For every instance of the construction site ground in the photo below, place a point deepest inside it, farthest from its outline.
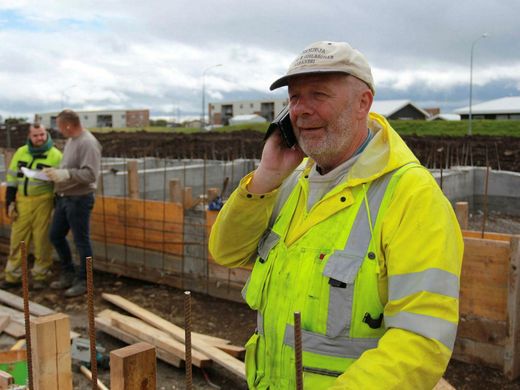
(230, 320)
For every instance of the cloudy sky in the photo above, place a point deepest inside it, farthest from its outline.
(153, 54)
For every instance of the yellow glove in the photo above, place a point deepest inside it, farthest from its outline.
(12, 213)
(57, 175)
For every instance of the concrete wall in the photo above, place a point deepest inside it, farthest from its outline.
(468, 184)
(155, 174)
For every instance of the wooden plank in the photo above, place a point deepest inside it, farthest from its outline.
(20, 344)
(443, 384)
(483, 330)
(232, 364)
(50, 342)
(154, 336)
(152, 318)
(487, 235)
(512, 348)
(17, 302)
(88, 374)
(133, 367)
(105, 325)
(16, 327)
(4, 321)
(484, 278)
(480, 353)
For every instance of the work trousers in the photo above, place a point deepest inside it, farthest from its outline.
(31, 226)
(72, 213)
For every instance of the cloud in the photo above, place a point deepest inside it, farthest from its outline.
(153, 54)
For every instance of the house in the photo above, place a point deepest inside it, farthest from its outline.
(102, 118)
(506, 108)
(220, 113)
(398, 109)
(241, 119)
(445, 117)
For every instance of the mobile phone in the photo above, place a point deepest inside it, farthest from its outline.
(282, 121)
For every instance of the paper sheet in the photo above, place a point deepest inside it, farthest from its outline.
(35, 174)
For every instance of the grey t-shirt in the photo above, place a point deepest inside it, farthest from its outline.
(82, 158)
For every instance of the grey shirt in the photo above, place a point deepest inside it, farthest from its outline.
(82, 158)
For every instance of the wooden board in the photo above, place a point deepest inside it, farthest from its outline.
(232, 364)
(154, 319)
(4, 321)
(483, 330)
(144, 332)
(139, 223)
(51, 357)
(133, 367)
(484, 279)
(512, 348)
(105, 325)
(17, 302)
(480, 353)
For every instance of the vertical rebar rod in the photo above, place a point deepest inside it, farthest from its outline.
(91, 326)
(298, 350)
(484, 217)
(26, 313)
(187, 339)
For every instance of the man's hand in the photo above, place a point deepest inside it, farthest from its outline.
(57, 175)
(12, 213)
(278, 161)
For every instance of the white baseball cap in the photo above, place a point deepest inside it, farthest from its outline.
(329, 57)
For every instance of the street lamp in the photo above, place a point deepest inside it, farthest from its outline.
(484, 35)
(204, 94)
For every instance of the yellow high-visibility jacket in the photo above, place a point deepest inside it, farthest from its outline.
(409, 273)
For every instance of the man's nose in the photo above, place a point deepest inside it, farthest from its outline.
(301, 106)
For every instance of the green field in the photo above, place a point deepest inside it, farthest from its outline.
(420, 128)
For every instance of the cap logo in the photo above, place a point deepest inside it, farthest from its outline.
(310, 56)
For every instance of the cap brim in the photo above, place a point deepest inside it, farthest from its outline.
(282, 81)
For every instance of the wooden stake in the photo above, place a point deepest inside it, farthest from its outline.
(133, 179)
(175, 191)
(462, 213)
(91, 324)
(51, 352)
(26, 313)
(133, 367)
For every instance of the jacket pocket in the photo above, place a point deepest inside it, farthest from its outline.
(341, 270)
(254, 362)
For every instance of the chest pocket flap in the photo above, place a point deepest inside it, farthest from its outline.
(343, 267)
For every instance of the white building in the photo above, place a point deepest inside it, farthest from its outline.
(504, 108)
(102, 118)
(220, 113)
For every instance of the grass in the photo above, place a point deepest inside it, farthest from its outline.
(420, 128)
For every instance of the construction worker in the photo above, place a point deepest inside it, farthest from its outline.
(75, 182)
(29, 204)
(357, 237)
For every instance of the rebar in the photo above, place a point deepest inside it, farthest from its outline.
(91, 325)
(298, 350)
(187, 339)
(484, 217)
(26, 314)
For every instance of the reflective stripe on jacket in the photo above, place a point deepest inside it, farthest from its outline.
(22, 158)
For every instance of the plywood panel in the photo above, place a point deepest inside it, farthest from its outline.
(484, 278)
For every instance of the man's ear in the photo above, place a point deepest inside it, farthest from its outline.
(365, 102)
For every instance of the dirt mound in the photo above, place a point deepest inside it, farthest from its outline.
(500, 153)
